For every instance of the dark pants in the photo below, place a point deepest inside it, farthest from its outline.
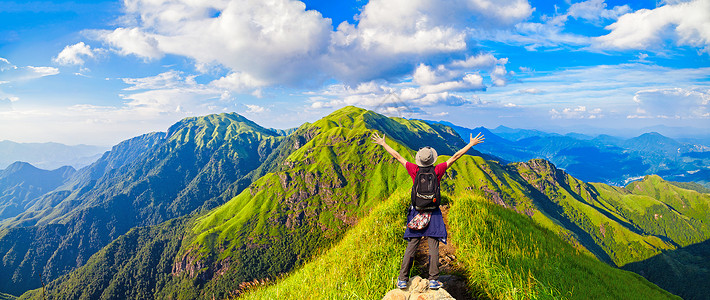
(409, 258)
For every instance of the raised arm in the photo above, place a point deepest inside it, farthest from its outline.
(381, 141)
(473, 142)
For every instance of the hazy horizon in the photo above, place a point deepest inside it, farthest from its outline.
(679, 133)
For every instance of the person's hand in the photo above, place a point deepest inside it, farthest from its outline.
(476, 140)
(377, 139)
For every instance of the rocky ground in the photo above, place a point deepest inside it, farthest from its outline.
(418, 289)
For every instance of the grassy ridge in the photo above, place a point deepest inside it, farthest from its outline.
(508, 256)
(505, 255)
(362, 265)
(324, 187)
(619, 225)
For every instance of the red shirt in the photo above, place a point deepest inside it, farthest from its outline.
(440, 169)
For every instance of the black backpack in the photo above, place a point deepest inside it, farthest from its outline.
(425, 192)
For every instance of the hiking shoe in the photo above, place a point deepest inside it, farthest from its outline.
(401, 284)
(434, 284)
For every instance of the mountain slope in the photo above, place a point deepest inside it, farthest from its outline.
(146, 181)
(622, 222)
(323, 188)
(320, 189)
(503, 254)
(684, 271)
(21, 184)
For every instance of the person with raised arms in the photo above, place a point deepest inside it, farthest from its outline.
(424, 218)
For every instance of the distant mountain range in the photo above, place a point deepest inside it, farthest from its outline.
(49, 156)
(602, 158)
(22, 183)
(218, 204)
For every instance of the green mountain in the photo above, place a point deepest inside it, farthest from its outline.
(621, 225)
(21, 184)
(326, 209)
(196, 165)
(297, 209)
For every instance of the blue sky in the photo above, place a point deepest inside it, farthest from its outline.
(98, 72)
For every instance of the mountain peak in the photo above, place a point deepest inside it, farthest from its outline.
(650, 136)
(19, 166)
(350, 109)
(215, 126)
(414, 134)
(350, 117)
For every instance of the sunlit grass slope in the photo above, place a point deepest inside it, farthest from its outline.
(505, 255)
(508, 256)
(333, 178)
(619, 225)
(362, 265)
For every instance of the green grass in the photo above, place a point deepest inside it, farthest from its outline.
(625, 224)
(362, 265)
(507, 256)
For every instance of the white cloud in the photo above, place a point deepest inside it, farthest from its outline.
(275, 41)
(607, 85)
(393, 99)
(685, 23)
(680, 103)
(470, 82)
(595, 10)
(151, 104)
(579, 112)
(534, 36)
(10, 72)
(552, 33)
(426, 75)
(255, 109)
(280, 43)
(483, 61)
(132, 41)
(530, 91)
(239, 82)
(441, 85)
(72, 55)
(392, 38)
(173, 92)
(165, 80)
(6, 65)
(81, 124)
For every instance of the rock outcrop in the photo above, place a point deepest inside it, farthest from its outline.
(418, 289)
